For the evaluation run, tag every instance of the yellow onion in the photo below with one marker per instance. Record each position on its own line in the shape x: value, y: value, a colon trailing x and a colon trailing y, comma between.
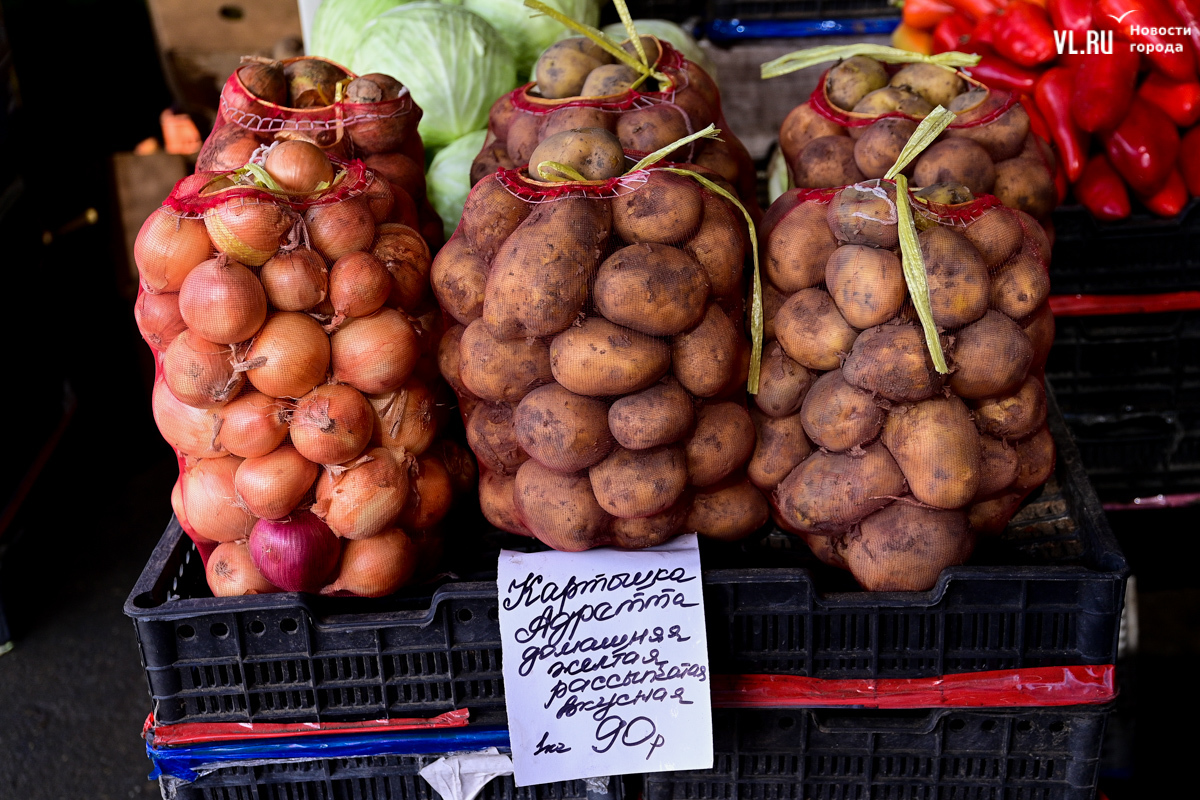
x: 274, y: 484
x: 158, y: 318
x: 248, y: 230
x: 405, y: 255
x: 332, y: 424
x: 199, y: 372
x: 254, y: 424
x: 289, y: 356
x: 231, y: 572
x: 358, y: 286
x: 222, y: 301
x: 340, y: 228
x: 210, y: 500
x: 430, y: 494
x: 379, y: 197
x: 408, y: 417
x: 195, y: 432
x: 374, y: 354
x: 377, y: 566
x: 167, y: 248
x: 298, y: 166
x: 365, y: 498
x: 295, y: 280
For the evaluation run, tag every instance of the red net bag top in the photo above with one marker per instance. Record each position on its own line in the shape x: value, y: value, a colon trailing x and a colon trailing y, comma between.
x: 600, y: 356
x: 296, y: 344
x: 644, y: 121
x: 885, y: 465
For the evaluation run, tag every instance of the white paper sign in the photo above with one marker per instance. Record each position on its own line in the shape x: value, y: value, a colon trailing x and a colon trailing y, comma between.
x: 605, y: 662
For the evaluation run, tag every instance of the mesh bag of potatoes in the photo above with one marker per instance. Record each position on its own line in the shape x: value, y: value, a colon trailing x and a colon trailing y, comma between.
x: 296, y: 339
x: 599, y: 354
x: 864, y: 109
x: 368, y: 117
x: 901, y: 407
x: 643, y: 90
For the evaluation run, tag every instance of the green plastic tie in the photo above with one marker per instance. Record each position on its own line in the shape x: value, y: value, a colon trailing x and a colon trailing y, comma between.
x: 889, y: 55
x: 711, y: 132
x: 546, y: 168
x: 601, y: 39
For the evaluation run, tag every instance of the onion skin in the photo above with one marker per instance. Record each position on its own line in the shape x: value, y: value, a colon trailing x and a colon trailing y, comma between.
x: 273, y: 485
x: 298, y: 554
x: 296, y: 280
x: 222, y: 301
x: 298, y: 166
x: 289, y: 357
x: 375, y: 354
x: 265, y: 81
x: 358, y: 285
x: 380, y: 198
x: 194, y: 432
x: 227, y: 148
x: 400, y: 170
x: 209, y: 500
x: 254, y: 424
x: 408, y: 417
x: 365, y: 499
x: 167, y: 248
x: 311, y: 82
x: 430, y: 494
x: 247, y: 231
x: 377, y: 566
x: 332, y: 424
x: 405, y: 255
x: 199, y: 372
x: 231, y: 572
x: 340, y: 228
x: 158, y: 319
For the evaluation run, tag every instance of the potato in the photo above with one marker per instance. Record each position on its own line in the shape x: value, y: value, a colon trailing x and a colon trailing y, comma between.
x: 1016, y: 415
x: 649, y: 47
x: 559, y: 509
x: 956, y: 276
x: 990, y: 517
x: 887, y: 100
x: 498, y: 504
x: 1035, y: 456
x: 996, y: 234
x: 829, y: 550
x: 572, y: 117
x: 827, y: 162
x: 865, y: 214
x: 492, y: 438
x: 659, y: 415
x: 705, y: 358
x: 935, y: 84
x: 782, y: 383
x: 501, y: 371
x: 1035, y: 235
x: 714, y: 155
x: 490, y: 215
x: 600, y: 359
x: 937, y: 447
x: 946, y: 194
x: 904, y: 548
x: 524, y: 135
x: 997, y: 466
x: 893, y: 362
x: 667, y: 208
x: 959, y: 160
x: 539, y: 281
x: 812, y: 331
x: 1003, y: 137
x: 592, y: 152
x: 652, y: 288
x: 492, y: 158
x: 719, y: 247
x: 1025, y: 183
x: 829, y: 492
x: 838, y: 416
x: 780, y: 444
x: 866, y: 283
x: 458, y: 276
x: 639, y: 483
x: 562, y: 430
x: 991, y: 357
x: 641, y: 532
x: 722, y: 441
x: 729, y: 511
x: 652, y: 128
x: 798, y: 247
x: 1021, y: 285
x: 564, y: 66
x: 448, y: 356
x: 773, y: 300
x: 853, y: 79
x: 801, y: 126
x: 880, y: 143
x: 608, y: 80
x: 1039, y: 327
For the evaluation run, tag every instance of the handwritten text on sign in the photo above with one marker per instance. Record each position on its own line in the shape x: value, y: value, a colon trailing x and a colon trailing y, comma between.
x: 605, y: 662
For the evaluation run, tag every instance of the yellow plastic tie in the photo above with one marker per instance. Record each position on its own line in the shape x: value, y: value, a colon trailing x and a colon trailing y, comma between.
x: 602, y: 40
x: 711, y: 132
x: 545, y: 168
x: 889, y: 55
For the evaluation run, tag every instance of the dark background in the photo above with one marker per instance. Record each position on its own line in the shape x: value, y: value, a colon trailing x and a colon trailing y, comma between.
x: 72, y: 693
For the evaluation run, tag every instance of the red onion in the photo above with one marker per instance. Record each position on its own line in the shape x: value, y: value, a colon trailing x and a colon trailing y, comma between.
x: 297, y: 554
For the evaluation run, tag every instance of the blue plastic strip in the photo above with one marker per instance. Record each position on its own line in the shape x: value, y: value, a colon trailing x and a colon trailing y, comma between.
x: 725, y: 30
x: 184, y: 762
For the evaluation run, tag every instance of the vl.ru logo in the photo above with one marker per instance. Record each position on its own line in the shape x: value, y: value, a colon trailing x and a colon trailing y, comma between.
x: 1095, y: 42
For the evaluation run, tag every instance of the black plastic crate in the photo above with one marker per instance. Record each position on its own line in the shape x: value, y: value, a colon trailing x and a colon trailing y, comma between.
x: 1143, y: 254
x: 380, y: 777
x: 839, y: 754
x: 1047, y: 593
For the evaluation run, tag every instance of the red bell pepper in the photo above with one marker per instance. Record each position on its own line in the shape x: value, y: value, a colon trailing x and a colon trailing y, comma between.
x: 1188, y: 12
x: 1143, y: 148
x: 1179, y: 101
x: 1170, y: 199
x: 999, y: 73
x: 1037, y: 123
x: 1189, y: 161
x: 1023, y: 34
x: 1102, y: 191
x: 925, y: 14
x: 1071, y: 15
x: 951, y: 33
x: 984, y: 32
x: 974, y: 10
x: 1170, y: 54
x: 1104, y: 87
x: 1053, y: 96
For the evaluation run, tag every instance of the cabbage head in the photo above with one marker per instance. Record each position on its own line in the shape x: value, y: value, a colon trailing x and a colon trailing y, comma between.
x: 338, y: 23
x: 449, y: 177
x: 454, y: 63
x: 527, y: 32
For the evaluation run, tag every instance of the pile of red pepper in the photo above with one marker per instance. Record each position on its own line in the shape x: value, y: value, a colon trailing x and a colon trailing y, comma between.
x: 1122, y: 117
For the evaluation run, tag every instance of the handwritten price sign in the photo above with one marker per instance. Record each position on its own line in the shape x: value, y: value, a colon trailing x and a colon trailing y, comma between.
x: 605, y: 662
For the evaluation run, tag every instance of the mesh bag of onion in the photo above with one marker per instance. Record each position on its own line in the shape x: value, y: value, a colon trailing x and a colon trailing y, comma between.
x: 369, y: 117
x: 599, y: 354
x: 902, y: 405
x: 864, y: 109
x: 296, y: 341
x: 580, y: 84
